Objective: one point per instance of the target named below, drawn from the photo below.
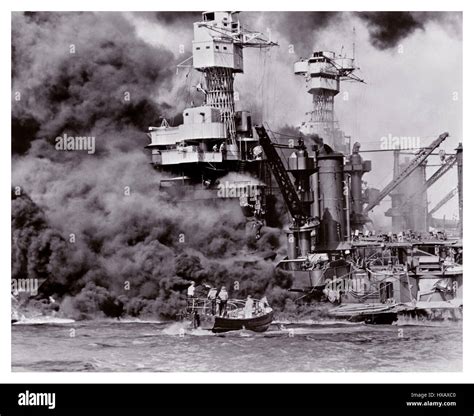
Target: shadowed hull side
(256, 324)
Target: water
(155, 346)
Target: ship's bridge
(200, 138)
(199, 123)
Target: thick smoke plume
(83, 74)
(386, 29)
(97, 227)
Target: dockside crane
(443, 201)
(420, 157)
(445, 167)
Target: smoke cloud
(84, 74)
(140, 250)
(97, 227)
(388, 29)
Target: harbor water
(105, 346)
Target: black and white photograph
(237, 191)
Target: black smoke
(97, 227)
(83, 74)
(171, 18)
(388, 29)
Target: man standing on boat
(223, 296)
(212, 296)
(191, 289)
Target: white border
(6, 376)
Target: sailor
(248, 309)
(191, 289)
(263, 304)
(212, 296)
(196, 320)
(190, 300)
(223, 297)
(355, 235)
(215, 148)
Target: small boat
(258, 323)
(200, 314)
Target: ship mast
(218, 45)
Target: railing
(233, 307)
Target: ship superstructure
(323, 72)
(214, 138)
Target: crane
(448, 164)
(446, 199)
(420, 157)
(288, 191)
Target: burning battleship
(332, 252)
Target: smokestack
(331, 196)
(356, 167)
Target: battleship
(333, 253)
(415, 270)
